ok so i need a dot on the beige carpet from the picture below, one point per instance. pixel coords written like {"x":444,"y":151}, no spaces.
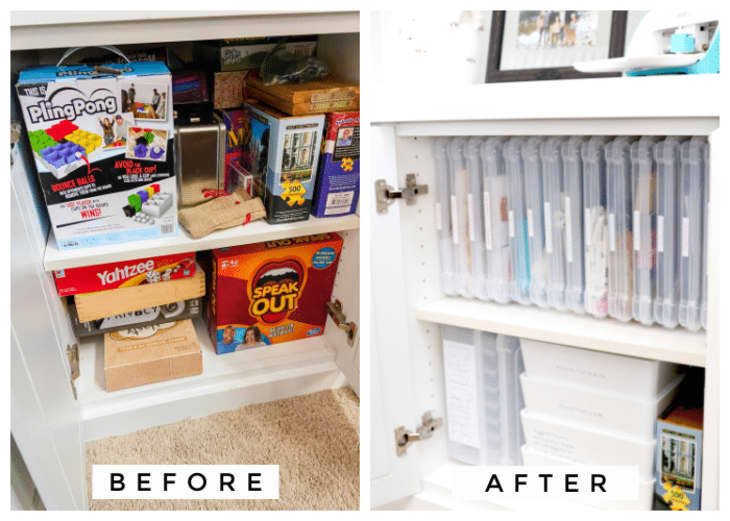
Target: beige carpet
{"x":313,"y":438}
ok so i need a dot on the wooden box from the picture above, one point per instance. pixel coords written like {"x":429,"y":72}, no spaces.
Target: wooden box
{"x":297,"y":99}
{"x":168,"y":353}
{"x":102,"y":304}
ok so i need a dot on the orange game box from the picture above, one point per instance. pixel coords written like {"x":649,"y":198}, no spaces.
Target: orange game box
{"x":271,"y":292}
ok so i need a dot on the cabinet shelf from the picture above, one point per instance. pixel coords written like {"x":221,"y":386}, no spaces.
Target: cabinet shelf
{"x":258,"y":231}
{"x":563,"y":327}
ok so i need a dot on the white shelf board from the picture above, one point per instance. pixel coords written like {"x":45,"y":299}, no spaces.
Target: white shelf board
{"x":52,"y":29}
{"x":610,"y":98}
{"x":257,"y":231}
{"x":220,"y":373}
{"x":563,"y":327}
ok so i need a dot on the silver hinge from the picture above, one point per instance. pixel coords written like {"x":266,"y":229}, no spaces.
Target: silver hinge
{"x":334,"y":310}
{"x":404,"y":437}
{"x":72,"y":352}
{"x":385,"y":194}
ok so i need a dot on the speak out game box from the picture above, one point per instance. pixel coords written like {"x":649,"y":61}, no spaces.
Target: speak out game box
{"x":271,"y":292}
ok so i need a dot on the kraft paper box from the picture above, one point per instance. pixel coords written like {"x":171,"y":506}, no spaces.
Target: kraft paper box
{"x":101,"y":138}
{"x":149,"y":354}
{"x":313,"y":97}
{"x":271,"y":292}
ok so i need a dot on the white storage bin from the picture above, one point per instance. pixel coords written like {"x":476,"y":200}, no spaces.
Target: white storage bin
{"x":458,"y":190}
{"x":644,"y":500}
{"x":475,"y":217}
{"x":638,"y":377}
{"x":581,"y":442}
{"x":556,"y":226}
{"x":595,"y":226}
{"x":570,"y":151}
{"x":668,"y":209}
{"x":496,"y":221}
{"x":443,"y":217}
{"x":535,"y":219}
{"x":620,"y":241}
{"x":620,"y":412}
{"x":693,"y":247}
{"x":517,"y":220}
{"x":643,"y":225}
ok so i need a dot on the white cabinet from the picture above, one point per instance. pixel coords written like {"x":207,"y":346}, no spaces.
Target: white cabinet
{"x":407,"y":368}
{"x":53,"y":414}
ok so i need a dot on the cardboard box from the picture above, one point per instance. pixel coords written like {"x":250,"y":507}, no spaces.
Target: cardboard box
{"x":338,"y":181}
{"x":228,"y":89}
{"x":679,"y":457}
{"x":235,"y":122}
{"x":298,"y":99}
{"x":100,"y":141}
{"x":292,"y":155}
{"x":151,"y":354}
{"x":144,"y":317}
{"x":101,"y":277}
{"x":244,"y":54}
{"x":103,"y":304}
{"x":271,"y":292}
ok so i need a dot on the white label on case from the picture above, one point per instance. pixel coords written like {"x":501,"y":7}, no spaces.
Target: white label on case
{"x":439,"y":221}
{"x":454,"y":221}
{"x":548,"y":228}
{"x":685,"y":236}
{"x":470,"y":217}
{"x":568,"y":232}
{"x":660,"y":233}
{"x":530,"y":229}
{"x":612,"y":232}
{"x":487,"y":222}
{"x":636,"y":227}
{"x":511,"y":224}
{"x":587,"y":225}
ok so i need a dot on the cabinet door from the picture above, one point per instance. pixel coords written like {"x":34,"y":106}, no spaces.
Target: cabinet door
{"x":392,"y":477}
{"x":45,"y":417}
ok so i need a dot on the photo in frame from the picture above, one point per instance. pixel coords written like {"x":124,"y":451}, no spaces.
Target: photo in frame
{"x":543,"y":45}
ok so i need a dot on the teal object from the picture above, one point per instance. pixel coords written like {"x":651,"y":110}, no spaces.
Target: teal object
{"x":135,"y":201}
{"x":682,"y":43}
{"x":710,"y":64}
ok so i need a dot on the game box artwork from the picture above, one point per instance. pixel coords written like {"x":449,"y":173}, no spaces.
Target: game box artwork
{"x":100,"y":136}
{"x":271,"y":292}
{"x":255,"y":153}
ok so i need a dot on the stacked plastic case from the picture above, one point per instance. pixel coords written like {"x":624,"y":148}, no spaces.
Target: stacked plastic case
{"x":496,"y":222}
{"x":517,"y":220}
{"x":458,"y":190}
{"x":554,"y":206}
{"x":693,"y":236}
{"x":595,"y":226}
{"x":644,"y":221}
{"x":620,"y":239}
{"x":703,"y":266}
{"x":666,"y":299}
{"x":532,"y":166}
{"x":570,"y":152}
{"x":475,"y":218}
{"x":483,"y":396}
{"x":443,"y":216}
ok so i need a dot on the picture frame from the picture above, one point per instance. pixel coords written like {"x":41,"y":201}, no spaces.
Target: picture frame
{"x":495,"y":74}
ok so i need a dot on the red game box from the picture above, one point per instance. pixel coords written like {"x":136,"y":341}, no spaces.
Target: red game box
{"x":101,"y":277}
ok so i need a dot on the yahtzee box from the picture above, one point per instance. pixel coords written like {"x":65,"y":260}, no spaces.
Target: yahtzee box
{"x":100,"y":137}
{"x":271,"y":292}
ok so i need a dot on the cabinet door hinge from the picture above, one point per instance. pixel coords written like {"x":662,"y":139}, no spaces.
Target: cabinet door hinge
{"x":334,"y":310}
{"x":72,"y":352}
{"x":404,"y":437}
{"x":385,"y":194}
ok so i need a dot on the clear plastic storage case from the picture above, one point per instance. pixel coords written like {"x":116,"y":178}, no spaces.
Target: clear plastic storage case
{"x":475,"y":217}
{"x":706,"y":202}
{"x":620,"y":240}
{"x":496,"y":222}
{"x":535,"y":219}
{"x":668,"y":203}
{"x":511,"y":365}
{"x":443,"y":217}
{"x":595,"y":226}
{"x":693,"y":208}
{"x":553,"y":187}
{"x":517,"y":220}
{"x":458,"y":190}
{"x":644,"y":227}
{"x":573,"y":216}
